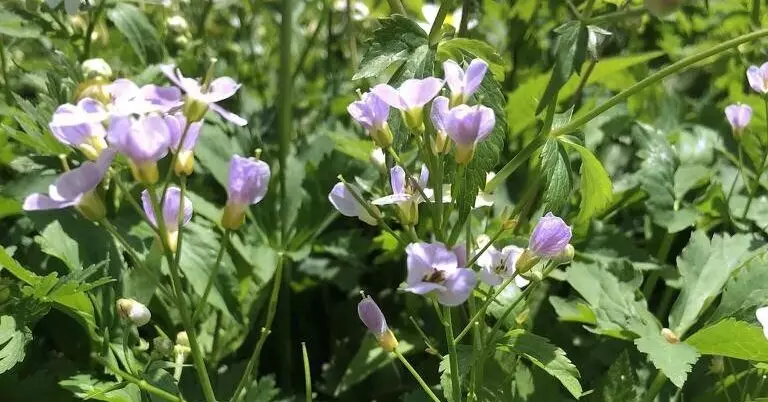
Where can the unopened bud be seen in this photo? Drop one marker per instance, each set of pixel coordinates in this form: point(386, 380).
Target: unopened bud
point(441, 144)
point(182, 339)
point(133, 311)
point(670, 336)
point(382, 137)
point(163, 346)
point(96, 68)
point(145, 173)
point(526, 261)
point(91, 206)
point(388, 341)
point(177, 24)
point(234, 216)
point(185, 163)
point(379, 160)
point(565, 256)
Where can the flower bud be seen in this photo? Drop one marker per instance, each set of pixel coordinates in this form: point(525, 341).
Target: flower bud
point(163, 346)
point(370, 314)
point(565, 256)
point(414, 120)
point(233, 217)
point(409, 213)
point(527, 260)
point(96, 68)
point(440, 146)
point(382, 136)
point(550, 236)
point(379, 160)
point(662, 8)
point(91, 207)
point(133, 311)
point(177, 24)
point(94, 88)
point(670, 336)
point(194, 110)
point(145, 172)
point(185, 163)
point(182, 339)
point(464, 154)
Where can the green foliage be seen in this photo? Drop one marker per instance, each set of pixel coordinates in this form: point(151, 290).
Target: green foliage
point(673, 359)
point(138, 31)
point(557, 171)
point(87, 387)
point(618, 384)
point(13, 340)
point(570, 52)
point(596, 191)
point(731, 338)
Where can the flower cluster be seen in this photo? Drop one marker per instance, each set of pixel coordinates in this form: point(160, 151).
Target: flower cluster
point(738, 114)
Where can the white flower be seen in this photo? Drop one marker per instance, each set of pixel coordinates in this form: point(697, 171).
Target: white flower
point(762, 316)
point(454, 19)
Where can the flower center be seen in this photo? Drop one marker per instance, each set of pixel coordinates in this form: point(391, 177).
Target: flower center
point(436, 276)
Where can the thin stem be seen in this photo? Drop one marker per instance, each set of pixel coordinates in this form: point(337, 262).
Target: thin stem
point(759, 172)
point(377, 215)
point(434, 32)
point(144, 385)
point(309, 46)
point(89, 30)
point(656, 386)
point(197, 355)
point(126, 348)
point(416, 376)
point(756, 12)
point(214, 274)
point(476, 350)
point(453, 357)
point(285, 110)
point(736, 176)
point(424, 336)
point(588, 9)
point(481, 313)
point(616, 15)
point(307, 374)
point(583, 83)
point(203, 18)
point(174, 158)
point(516, 162)
point(253, 362)
point(396, 7)
point(4, 69)
point(465, 15)
point(578, 122)
point(479, 253)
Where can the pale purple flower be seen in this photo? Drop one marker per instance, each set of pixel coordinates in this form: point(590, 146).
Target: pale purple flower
point(219, 89)
point(70, 188)
point(434, 269)
point(80, 126)
point(497, 265)
point(463, 84)
point(130, 99)
point(412, 94)
point(468, 125)
point(371, 315)
point(370, 111)
point(171, 208)
point(738, 116)
point(176, 124)
point(248, 180)
point(550, 236)
point(758, 78)
point(402, 189)
point(439, 113)
point(344, 202)
point(143, 139)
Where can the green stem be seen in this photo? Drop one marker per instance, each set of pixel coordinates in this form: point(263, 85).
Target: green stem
point(616, 15)
point(736, 176)
point(379, 219)
point(661, 256)
point(89, 30)
point(4, 69)
point(583, 83)
point(465, 15)
point(197, 355)
point(578, 122)
point(453, 357)
point(396, 7)
point(212, 277)
point(516, 162)
point(253, 362)
point(477, 348)
point(759, 172)
point(656, 386)
point(307, 374)
point(434, 32)
point(285, 110)
point(416, 376)
point(126, 348)
point(144, 385)
point(756, 12)
point(588, 9)
point(481, 313)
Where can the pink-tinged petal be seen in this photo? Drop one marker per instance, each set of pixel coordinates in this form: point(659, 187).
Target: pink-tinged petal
point(390, 95)
point(439, 112)
point(361, 114)
point(146, 204)
point(474, 76)
point(93, 108)
point(248, 180)
point(417, 93)
point(756, 79)
point(487, 122)
point(454, 76)
point(38, 202)
point(738, 116)
point(370, 314)
point(165, 98)
point(392, 199)
point(397, 179)
point(421, 288)
point(459, 285)
point(233, 118)
point(193, 133)
point(76, 182)
point(550, 236)
point(434, 255)
point(221, 88)
point(423, 177)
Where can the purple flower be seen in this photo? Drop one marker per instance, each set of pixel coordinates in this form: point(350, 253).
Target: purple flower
point(344, 202)
point(80, 126)
point(738, 116)
point(247, 184)
point(550, 237)
point(144, 140)
point(371, 315)
point(498, 265)
point(128, 98)
point(205, 96)
point(404, 195)
point(372, 113)
point(172, 206)
point(463, 84)
point(758, 78)
point(433, 268)
point(466, 126)
point(75, 189)
point(439, 114)
point(410, 98)
point(185, 159)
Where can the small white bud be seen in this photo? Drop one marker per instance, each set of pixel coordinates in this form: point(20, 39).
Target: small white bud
point(182, 339)
point(93, 68)
point(133, 311)
point(670, 336)
point(378, 159)
point(177, 24)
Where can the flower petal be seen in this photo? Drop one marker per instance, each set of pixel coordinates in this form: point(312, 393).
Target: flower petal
point(390, 95)
point(237, 120)
point(459, 285)
point(38, 202)
point(474, 76)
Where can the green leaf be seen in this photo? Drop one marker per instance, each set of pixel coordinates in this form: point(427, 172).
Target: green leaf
point(370, 357)
point(656, 174)
point(54, 241)
point(618, 384)
point(463, 48)
point(86, 387)
point(673, 359)
point(731, 338)
point(14, 337)
point(688, 177)
point(395, 41)
point(262, 390)
point(573, 310)
point(596, 187)
point(570, 52)
point(16, 27)
point(543, 354)
point(557, 174)
point(744, 292)
point(705, 267)
point(357, 148)
point(611, 289)
point(464, 355)
point(139, 32)
point(163, 380)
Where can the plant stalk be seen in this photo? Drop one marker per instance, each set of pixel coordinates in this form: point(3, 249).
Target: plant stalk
point(416, 376)
point(453, 356)
point(437, 25)
point(141, 383)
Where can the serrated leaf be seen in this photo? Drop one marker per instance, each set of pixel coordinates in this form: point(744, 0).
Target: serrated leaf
point(139, 32)
point(464, 48)
point(54, 241)
point(673, 359)
point(744, 292)
point(557, 174)
point(395, 41)
point(16, 27)
point(731, 338)
point(657, 174)
point(263, 390)
point(546, 356)
point(596, 187)
point(618, 383)
point(570, 52)
point(573, 310)
point(13, 340)
point(705, 267)
point(86, 387)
